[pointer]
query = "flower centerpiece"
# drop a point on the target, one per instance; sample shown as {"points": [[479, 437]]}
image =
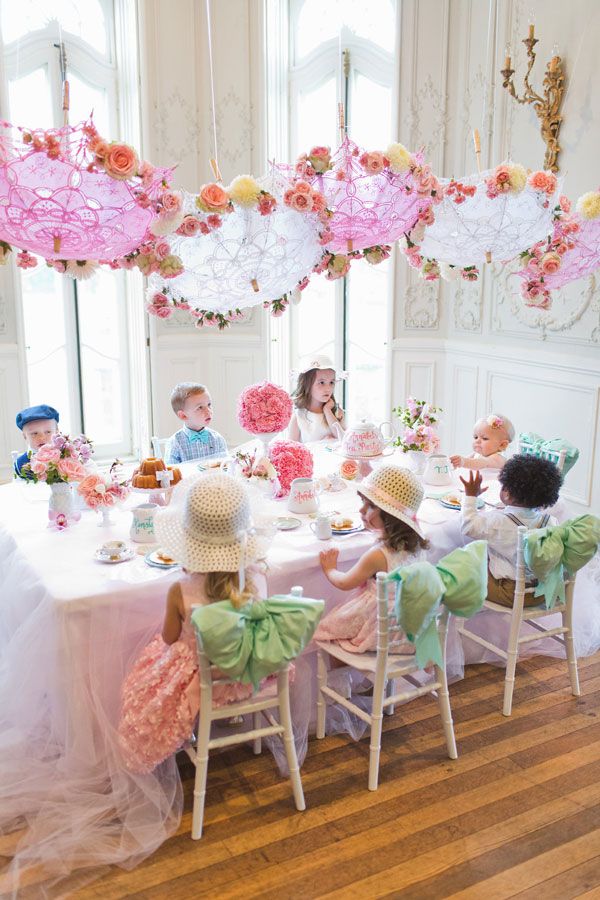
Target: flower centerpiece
{"points": [[419, 437], [102, 491], [59, 463], [291, 460], [264, 409]]}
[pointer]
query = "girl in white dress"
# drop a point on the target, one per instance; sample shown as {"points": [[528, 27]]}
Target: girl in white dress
{"points": [[317, 416], [391, 498]]}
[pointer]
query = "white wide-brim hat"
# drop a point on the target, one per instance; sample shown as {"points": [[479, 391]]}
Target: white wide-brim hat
{"points": [[396, 491], [317, 361], [207, 526]]}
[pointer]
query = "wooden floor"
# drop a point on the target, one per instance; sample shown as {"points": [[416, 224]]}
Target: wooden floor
{"points": [[517, 814]]}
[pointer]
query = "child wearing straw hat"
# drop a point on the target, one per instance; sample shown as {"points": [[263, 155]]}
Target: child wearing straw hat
{"points": [[391, 498], [207, 529]]}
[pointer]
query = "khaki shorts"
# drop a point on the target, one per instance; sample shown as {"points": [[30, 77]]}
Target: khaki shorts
{"points": [[502, 592]]}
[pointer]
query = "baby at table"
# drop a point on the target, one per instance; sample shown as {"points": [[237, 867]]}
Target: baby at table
{"points": [[37, 424], [529, 486], [491, 437], [192, 404]]}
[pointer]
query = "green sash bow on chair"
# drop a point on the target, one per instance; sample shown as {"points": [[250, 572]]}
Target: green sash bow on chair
{"points": [[459, 581], [558, 549], [536, 445], [250, 643]]}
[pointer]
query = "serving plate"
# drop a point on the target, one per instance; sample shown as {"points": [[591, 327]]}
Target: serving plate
{"points": [[153, 559]]}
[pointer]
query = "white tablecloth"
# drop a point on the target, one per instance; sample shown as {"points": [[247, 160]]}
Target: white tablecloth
{"points": [[70, 628]]}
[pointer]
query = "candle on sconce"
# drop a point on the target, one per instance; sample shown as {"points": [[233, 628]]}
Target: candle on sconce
{"points": [[531, 32], [507, 62]]}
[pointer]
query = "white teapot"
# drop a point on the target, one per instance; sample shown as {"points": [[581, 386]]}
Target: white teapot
{"points": [[366, 439]]}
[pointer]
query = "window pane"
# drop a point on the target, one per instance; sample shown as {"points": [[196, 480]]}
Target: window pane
{"points": [[30, 100], [84, 99], [314, 320], [46, 342], [374, 20], [103, 340], [370, 118], [84, 19], [368, 288], [316, 118]]}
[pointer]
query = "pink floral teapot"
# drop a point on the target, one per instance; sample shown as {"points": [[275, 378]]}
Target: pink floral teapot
{"points": [[366, 439]]}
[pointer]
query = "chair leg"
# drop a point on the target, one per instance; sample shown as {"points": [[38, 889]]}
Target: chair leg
{"points": [[446, 713], [321, 703], [511, 661], [567, 620], [257, 742], [283, 691], [201, 773], [376, 728], [389, 690]]}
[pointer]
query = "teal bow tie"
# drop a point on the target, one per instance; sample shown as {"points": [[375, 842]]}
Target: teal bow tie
{"points": [[202, 436]]}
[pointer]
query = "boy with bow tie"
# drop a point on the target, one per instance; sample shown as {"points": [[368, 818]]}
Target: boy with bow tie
{"points": [[192, 404]]}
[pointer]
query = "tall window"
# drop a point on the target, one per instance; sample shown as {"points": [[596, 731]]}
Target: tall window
{"points": [[75, 332], [346, 56]]}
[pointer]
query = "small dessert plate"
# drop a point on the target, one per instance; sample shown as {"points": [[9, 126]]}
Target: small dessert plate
{"points": [[156, 559], [104, 557], [352, 530], [287, 523], [452, 502]]}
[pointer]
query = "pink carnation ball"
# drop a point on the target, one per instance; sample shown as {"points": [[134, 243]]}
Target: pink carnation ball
{"points": [[291, 460], [264, 408]]}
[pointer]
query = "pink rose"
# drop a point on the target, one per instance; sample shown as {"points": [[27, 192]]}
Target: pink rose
{"points": [[48, 454], [213, 198], [160, 299], [121, 161], [162, 249], [303, 188], [39, 468], [550, 263], [565, 203], [214, 221], [70, 469], [189, 227], [171, 202], [374, 162], [300, 202], [349, 469], [561, 247]]}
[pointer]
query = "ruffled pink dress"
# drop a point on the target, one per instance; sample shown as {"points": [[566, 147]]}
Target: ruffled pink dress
{"points": [[354, 624], [161, 694]]}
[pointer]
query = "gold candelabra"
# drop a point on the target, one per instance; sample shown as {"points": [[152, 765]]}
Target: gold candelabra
{"points": [[547, 107]]}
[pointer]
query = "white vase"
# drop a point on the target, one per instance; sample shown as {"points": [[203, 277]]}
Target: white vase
{"points": [[418, 459], [106, 520], [265, 439], [61, 506]]}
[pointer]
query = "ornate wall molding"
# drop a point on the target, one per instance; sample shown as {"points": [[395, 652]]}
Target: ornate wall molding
{"points": [[421, 305]]}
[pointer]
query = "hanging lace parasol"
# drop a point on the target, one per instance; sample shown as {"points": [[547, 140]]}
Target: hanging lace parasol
{"points": [[242, 246], [374, 197], [490, 216], [66, 194], [570, 253]]}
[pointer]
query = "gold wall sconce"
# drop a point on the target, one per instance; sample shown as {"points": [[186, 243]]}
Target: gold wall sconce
{"points": [[547, 107]]}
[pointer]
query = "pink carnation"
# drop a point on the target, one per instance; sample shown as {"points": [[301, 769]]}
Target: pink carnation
{"points": [[291, 460], [264, 408]]}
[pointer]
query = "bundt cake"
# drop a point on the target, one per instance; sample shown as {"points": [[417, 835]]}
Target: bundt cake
{"points": [[145, 476], [176, 474]]}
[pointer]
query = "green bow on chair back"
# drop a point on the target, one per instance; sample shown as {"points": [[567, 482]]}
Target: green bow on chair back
{"points": [[250, 643], [459, 581], [534, 444], [550, 552]]}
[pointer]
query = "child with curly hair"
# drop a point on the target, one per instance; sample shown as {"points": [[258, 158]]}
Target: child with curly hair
{"points": [[491, 437], [529, 485]]}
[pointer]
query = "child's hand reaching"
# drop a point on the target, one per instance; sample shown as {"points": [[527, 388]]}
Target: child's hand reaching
{"points": [[473, 484], [456, 461], [328, 560]]}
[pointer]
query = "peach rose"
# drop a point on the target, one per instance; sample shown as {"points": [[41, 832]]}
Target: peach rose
{"points": [[171, 202], [538, 181], [302, 188], [212, 198], [301, 202], [121, 161], [189, 227], [550, 263], [70, 469], [349, 469]]}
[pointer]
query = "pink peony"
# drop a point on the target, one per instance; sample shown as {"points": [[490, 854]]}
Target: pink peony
{"points": [[264, 408], [291, 460], [47, 454], [70, 469]]}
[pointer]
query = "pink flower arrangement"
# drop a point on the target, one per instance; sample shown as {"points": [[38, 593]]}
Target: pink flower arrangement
{"points": [[60, 460], [103, 490], [264, 408], [291, 460], [418, 417]]}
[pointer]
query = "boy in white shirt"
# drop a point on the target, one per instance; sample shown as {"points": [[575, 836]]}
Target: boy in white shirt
{"points": [[529, 485]]}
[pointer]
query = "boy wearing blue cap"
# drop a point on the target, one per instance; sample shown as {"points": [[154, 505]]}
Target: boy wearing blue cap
{"points": [[38, 424]]}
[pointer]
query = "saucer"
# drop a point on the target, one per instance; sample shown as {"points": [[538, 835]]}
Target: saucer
{"points": [[287, 523], [101, 556], [153, 559], [355, 528], [387, 451], [480, 503]]}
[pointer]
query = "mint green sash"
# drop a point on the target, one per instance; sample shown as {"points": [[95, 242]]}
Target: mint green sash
{"points": [[558, 549]]}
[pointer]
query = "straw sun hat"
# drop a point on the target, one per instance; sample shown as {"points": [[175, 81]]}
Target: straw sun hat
{"points": [[207, 526], [318, 361], [396, 491]]}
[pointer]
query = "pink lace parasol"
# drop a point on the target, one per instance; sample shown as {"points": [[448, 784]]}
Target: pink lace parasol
{"points": [[571, 252], [372, 201], [67, 194]]}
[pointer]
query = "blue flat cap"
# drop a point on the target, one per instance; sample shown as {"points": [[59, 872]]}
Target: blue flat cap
{"points": [[33, 413]]}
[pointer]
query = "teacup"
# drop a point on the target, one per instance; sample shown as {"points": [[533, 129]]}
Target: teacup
{"points": [[114, 549], [303, 496], [321, 527]]}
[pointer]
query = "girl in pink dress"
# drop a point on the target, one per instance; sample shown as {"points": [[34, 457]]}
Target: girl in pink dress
{"points": [[206, 529], [391, 498]]}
